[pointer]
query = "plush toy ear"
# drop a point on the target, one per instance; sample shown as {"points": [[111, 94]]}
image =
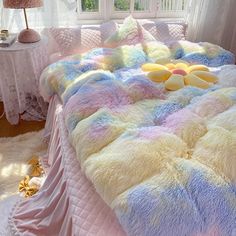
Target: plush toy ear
{"points": [[207, 76], [153, 67], [195, 81], [197, 68], [175, 82], [159, 76]]}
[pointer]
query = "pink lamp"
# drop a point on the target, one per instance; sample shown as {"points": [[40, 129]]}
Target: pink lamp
{"points": [[27, 35]]}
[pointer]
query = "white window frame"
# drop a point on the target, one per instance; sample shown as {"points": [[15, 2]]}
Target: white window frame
{"points": [[176, 13], [91, 15], [149, 13], [106, 11]]}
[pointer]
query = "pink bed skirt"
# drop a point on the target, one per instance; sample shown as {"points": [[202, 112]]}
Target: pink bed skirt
{"points": [[67, 204]]}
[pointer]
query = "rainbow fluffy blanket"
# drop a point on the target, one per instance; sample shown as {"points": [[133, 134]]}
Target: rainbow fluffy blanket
{"points": [[165, 162], [58, 76]]}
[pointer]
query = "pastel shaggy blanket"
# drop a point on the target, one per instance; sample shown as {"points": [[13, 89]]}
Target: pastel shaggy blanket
{"points": [[58, 76], [165, 162]]}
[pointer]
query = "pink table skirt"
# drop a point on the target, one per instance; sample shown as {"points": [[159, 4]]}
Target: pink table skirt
{"points": [[67, 204]]}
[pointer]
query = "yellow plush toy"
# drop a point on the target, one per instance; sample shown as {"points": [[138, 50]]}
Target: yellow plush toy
{"points": [[177, 73]]}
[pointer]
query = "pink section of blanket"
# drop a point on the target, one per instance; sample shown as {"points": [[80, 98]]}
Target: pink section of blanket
{"points": [[67, 204]]}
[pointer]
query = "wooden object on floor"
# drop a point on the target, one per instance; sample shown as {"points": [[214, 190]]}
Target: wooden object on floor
{"points": [[8, 130]]}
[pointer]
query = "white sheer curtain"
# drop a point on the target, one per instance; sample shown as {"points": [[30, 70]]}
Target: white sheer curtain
{"points": [[213, 21], [53, 13]]}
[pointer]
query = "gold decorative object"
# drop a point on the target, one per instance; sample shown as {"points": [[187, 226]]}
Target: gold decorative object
{"points": [[28, 190], [6, 32], [36, 171], [3, 36], [24, 184], [36, 168]]}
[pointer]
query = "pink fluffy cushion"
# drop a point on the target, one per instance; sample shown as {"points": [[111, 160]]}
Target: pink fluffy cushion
{"points": [[130, 33], [81, 39]]}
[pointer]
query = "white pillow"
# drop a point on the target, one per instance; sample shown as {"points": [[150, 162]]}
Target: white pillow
{"points": [[165, 31], [130, 33], [82, 39]]}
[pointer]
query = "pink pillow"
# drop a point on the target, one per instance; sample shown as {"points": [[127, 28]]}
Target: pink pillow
{"points": [[178, 30], [130, 32], [165, 31], [79, 40]]}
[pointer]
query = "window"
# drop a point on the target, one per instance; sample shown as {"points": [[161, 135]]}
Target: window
{"points": [[126, 5], [138, 8], [172, 8], [115, 9], [89, 9], [90, 5], [121, 5], [140, 5]]}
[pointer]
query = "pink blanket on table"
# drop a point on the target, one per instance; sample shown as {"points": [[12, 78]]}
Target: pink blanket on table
{"points": [[67, 204]]}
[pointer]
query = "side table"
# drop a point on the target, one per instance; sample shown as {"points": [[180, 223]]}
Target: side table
{"points": [[20, 69]]}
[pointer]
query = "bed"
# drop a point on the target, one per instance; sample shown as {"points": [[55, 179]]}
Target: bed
{"points": [[128, 157]]}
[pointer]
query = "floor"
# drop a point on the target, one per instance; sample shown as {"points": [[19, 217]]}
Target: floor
{"points": [[8, 130]]}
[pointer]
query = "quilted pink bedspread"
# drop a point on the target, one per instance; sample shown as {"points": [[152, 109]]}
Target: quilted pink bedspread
{"points": [[67, 204]]}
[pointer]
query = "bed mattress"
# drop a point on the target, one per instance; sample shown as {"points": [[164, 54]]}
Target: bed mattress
{"points": [[67, 204]]}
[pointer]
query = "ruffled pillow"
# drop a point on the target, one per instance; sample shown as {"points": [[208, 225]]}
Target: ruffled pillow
{"points": [[165, 31], [81, 39], [130, 33]]}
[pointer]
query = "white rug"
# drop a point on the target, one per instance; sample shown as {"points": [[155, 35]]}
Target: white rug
{"points": [[14, 154]]}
